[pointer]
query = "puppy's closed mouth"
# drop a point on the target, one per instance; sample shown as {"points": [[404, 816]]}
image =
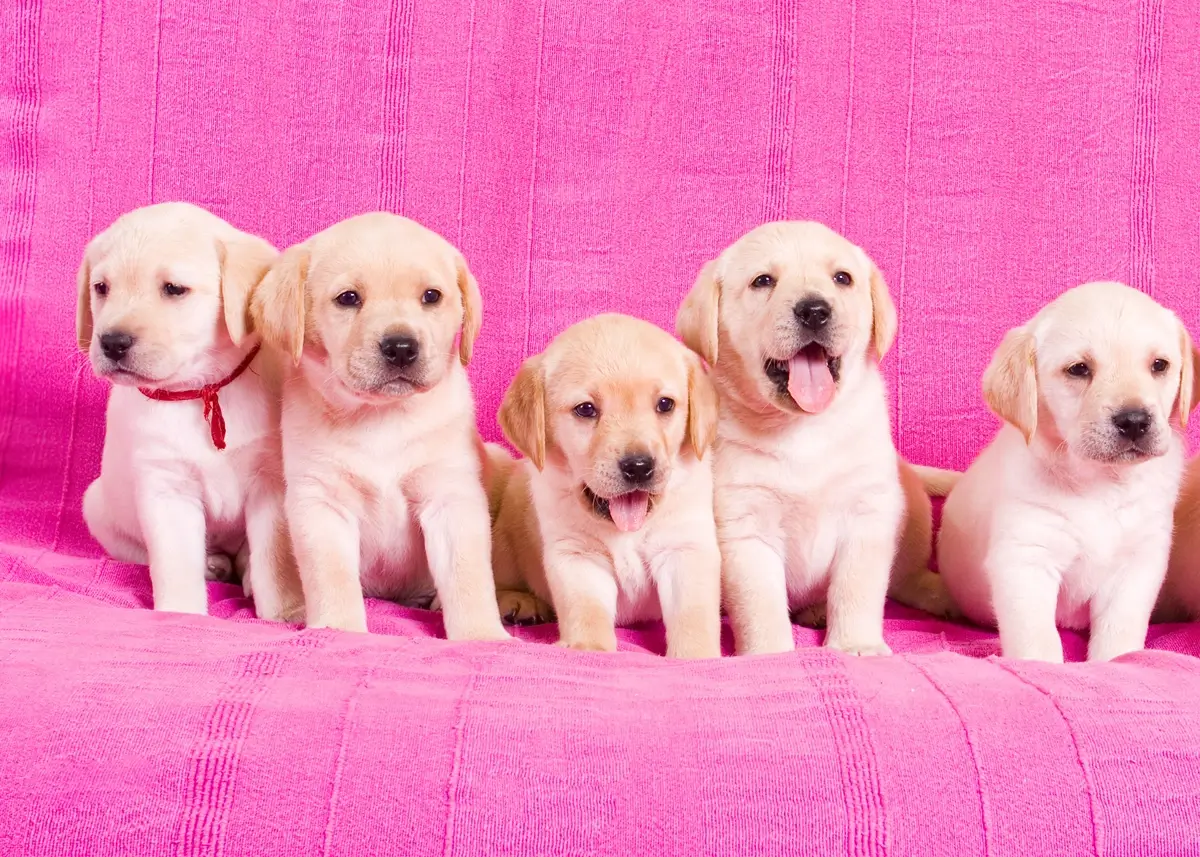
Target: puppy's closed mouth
{"points": [[809, 378], [628, 511]]}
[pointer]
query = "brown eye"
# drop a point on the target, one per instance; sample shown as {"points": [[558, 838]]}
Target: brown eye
{"points": [[1159, 366], [349, 299], [431, 296], [762, 281], [100, 288], [174, 290], [586, 410], [1079, 370], [665, 405], [843, 279]]}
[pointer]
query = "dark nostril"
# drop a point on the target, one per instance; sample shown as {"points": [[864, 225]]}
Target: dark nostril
{"points": [[1132, 423], [115, 344], [399, 350], [813, 313], [637, 468]]}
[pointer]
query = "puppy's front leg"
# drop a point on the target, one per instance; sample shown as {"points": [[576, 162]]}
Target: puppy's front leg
{"points": [[175, 531], [585, 599], [1024, 581], [858, 586], [689, 590], [271, 578], [1121, 614], [326, 543], [756, 597], [458, 543]]}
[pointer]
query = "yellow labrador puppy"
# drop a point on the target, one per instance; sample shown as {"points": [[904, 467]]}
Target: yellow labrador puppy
{"points": [[609, 517], [1065, 518], [380, 453], [163, 294], [813, 504]]}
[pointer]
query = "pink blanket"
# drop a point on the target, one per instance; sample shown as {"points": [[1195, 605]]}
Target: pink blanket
{"points": [[585, 156]]}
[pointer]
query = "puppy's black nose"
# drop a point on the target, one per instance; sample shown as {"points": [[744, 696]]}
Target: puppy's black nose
{"points": [[813, 313], [399, 350], [114, 344], [637, 469], [1132, 423]]}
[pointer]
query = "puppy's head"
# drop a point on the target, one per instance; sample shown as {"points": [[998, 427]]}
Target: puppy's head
{"points": [[613, 403], [375, 303], [163, 291], [1101, 369], [792, 312]]}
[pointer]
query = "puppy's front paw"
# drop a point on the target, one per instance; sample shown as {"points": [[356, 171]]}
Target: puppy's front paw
{"points": [[860, 647], [590, 645], [482, 633], [523, 608], [220, 568], [812, 616]]}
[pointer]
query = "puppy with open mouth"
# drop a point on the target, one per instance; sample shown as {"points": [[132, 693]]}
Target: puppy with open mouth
{"points": [[184, 484], [609, 516], [379, 446], [1065, 518], [813, 506]]}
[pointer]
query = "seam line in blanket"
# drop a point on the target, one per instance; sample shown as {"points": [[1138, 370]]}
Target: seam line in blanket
{"points": [[464, 707], [1097, 833], [215, 758], [14, 262], [983, 807], [1145, 145], [866, 827]]}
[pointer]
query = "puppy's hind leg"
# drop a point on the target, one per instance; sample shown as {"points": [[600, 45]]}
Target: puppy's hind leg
{"points": [[98, 514], [912, 583], [270, 576]]}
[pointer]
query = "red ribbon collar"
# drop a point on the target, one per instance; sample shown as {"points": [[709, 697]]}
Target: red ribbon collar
{"points": [[208, 394]]}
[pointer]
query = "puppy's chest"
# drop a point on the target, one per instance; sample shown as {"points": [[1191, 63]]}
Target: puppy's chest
{"points": [[637, 599]]}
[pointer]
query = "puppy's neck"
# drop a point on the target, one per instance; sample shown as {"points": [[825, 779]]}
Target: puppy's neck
{"points": [[217, 364]]}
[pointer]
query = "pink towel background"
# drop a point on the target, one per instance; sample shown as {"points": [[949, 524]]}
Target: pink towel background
{"points": [[585, 157]]}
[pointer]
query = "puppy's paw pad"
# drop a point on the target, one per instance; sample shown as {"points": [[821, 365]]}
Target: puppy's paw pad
{"points": [[813, 616], [523, 608], [862, 649], [219, 567]]}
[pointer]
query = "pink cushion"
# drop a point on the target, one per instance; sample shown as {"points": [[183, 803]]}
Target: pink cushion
{"points": [[585, 157]]}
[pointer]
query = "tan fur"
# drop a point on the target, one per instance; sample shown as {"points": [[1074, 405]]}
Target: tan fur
{"points": [[781, 474], [176, 279], [1065, 518], [1010, 382], [549, 540], [385, 493]]}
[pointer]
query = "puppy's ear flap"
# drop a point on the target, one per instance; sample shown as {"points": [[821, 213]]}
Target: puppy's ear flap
{"points": [[696, 321], [702, 408], [277, 302], [83, 309], [883, 314], [1010, 382], [522, 414], [1189, 389], [244, 261], [472, 311]]}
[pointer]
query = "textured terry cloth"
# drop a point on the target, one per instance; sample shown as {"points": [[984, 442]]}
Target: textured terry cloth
{"points": [[585, 157]]}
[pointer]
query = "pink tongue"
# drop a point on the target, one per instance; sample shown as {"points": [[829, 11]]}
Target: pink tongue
{"points": [[629, 510], [809, 381]]}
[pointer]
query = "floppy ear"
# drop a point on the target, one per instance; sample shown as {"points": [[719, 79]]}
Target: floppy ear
{"points": [[1010, 382], [522, 414], [83, 309], [472, 311], [1189, 390], [883, 314], [277, 302], [244, 261], [696, 321], [702, 408]]}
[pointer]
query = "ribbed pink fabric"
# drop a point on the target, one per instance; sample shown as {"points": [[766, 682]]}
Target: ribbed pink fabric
{"points": [[585, 157]]}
